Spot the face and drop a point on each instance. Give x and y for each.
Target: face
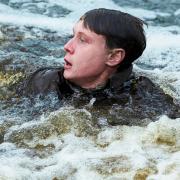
(86, 54)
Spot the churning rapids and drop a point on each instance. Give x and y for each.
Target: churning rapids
(46, 139)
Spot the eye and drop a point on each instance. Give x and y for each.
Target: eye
(82, 39)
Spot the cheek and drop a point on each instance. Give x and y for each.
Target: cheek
(91, 66)
(90, 57)
(94, 55)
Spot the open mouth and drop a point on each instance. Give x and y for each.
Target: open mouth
(67, 64)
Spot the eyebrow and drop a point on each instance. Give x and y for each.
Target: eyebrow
(82, 33)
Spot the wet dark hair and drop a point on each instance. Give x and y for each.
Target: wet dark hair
(120, 29)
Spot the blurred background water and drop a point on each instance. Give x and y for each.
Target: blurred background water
(48, 139)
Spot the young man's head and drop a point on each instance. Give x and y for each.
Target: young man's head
(104, 41)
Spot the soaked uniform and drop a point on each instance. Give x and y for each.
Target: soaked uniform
(123, 98)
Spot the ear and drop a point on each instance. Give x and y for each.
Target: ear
(115, 57)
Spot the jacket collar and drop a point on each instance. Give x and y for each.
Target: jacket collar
(115, 82)
(120, 77)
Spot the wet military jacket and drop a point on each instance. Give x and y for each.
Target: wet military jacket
(124, 96)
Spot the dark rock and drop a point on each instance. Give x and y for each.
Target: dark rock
(33, 8)
(4, 2)
(157, 6)
(40, 7)
(57, 11)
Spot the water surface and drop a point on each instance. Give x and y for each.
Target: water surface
(48, 139)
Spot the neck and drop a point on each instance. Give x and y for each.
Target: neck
(96, 82)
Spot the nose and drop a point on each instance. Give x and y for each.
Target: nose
(68, 47)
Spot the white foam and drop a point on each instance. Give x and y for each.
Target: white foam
(177, 12)
(63, 25)
(162, 55)
(160, 37)
(37, 21)
(80, 157)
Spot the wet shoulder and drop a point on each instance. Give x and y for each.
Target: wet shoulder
(144, 87)
(143, 90)
(43, 80)
(139, 99)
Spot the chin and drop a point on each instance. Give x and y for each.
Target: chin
(67, 75)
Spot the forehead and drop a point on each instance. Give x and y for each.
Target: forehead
(79, 28)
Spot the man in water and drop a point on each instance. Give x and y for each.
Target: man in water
(104, 44)
(98, 64)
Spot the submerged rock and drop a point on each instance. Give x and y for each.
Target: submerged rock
(23, 136)
(142, 174)
(39, 7)
(164, 132)
(4, 126)
(109, 135)
(168, 7)
(78, 121)
(156, 5)
(28, 48)
(59, 123)
(112, 165)
(8, 81)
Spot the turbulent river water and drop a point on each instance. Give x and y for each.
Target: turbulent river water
(46, 139)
